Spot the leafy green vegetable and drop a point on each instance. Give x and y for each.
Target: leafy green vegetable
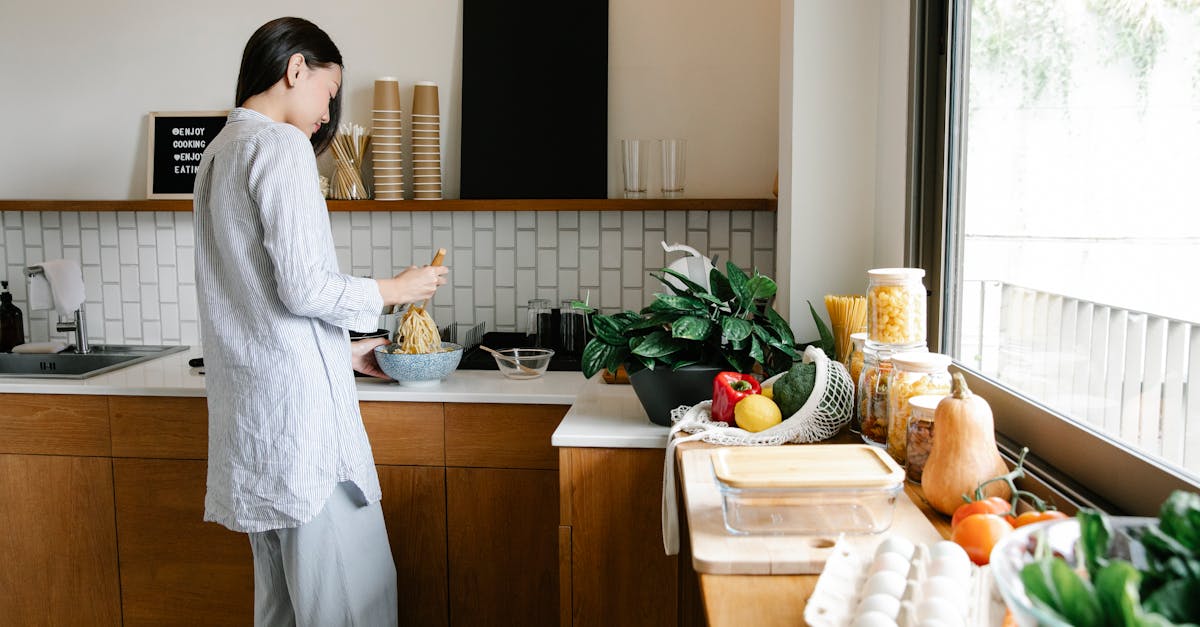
(1179, 518)
(1095, 533)
(792, 390)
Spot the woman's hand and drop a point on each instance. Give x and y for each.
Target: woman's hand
(362, 357)
(413, 284)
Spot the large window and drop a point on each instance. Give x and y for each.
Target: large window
(1069, 248)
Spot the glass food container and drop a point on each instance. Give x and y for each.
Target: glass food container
(896, 307)
(539, 326)
(920, 434)
(913, 374)
(855, 366)
(871, 395)
(807, 490)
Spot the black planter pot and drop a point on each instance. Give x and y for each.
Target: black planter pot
(664, 389)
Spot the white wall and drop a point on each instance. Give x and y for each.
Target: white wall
(83, 75)
(841, 205)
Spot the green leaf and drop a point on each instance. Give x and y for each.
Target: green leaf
(735, 329)
(739, 362)
(1179, 517)
(1039, 586)
(1095, 531)
(756, 350)
(826, 343)
(1117, 592)
(680, 304)
(692, 286)
(737, 282)
(656, 344)
(1178, 600)
(719, 284)
(781, 327)
(655, 321)
(597, 356)
(610, 330)
(691, 328)
(1077, 599)
(760, 287)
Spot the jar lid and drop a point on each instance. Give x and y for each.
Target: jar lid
(924, 405)
(896, 274)
(858, 339)
(885, 351)
(921, 362)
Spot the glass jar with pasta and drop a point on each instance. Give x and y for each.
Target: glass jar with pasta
(871, 397)
(896, 306)
(913, 374)
(920, 434)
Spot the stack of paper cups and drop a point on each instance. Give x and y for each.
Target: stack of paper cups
(426, 142)
(386, 127)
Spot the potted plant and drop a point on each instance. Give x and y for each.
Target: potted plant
(674, 347)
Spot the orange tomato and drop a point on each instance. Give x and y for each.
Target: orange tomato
(990, 505)
(978, 533)
(1030, 517)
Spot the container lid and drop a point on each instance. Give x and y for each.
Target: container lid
(858, 339)
(921, 361)
(924, 405)
(806, 466)
(896, 274)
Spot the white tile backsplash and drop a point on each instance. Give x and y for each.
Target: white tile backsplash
(140, 279)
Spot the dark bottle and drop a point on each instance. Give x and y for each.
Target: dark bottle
(12, 327)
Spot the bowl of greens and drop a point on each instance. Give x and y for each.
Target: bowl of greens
(1100, 570)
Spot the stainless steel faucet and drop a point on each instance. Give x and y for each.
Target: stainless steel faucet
(78, 325)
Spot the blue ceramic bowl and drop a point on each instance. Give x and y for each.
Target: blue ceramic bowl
(421, 369)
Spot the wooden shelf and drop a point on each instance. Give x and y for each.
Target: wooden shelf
(577, 204)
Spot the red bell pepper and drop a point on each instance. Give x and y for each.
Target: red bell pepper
(728, 389)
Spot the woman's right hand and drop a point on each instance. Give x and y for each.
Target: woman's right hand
(413, 284)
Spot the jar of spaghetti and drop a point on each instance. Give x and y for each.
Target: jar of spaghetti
(920, 434)
(896, 306)
(913, 374)
(871, 395)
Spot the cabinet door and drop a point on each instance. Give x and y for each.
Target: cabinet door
(414, 509)
(503, 539)
(57, 541)
(611, 502)
(175, 568)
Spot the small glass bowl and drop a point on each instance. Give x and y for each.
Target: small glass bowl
(523, 363)
(1016, 549)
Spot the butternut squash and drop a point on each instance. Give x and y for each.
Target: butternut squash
(964, 451)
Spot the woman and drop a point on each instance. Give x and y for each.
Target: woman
(289, 462)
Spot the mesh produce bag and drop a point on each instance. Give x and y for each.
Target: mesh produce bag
(827, 410)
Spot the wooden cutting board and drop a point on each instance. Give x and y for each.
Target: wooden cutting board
(717, 551)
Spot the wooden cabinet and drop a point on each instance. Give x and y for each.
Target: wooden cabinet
(57, 541)
(610, 536)
(176, 568)
(502, 513)
(103, 507)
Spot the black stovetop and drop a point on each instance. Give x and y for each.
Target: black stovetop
(476, 358)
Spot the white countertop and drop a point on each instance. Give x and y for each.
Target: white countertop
(171, 376)
(608, 416)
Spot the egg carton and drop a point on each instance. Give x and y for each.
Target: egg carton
(903, 585)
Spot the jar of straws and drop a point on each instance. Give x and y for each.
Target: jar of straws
(349, 146)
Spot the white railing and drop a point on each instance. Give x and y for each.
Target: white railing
(1125, 372)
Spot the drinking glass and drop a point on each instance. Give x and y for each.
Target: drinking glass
(674, 160)
(635, 165)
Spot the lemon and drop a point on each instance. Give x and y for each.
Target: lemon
(768, 392)
(756, 413)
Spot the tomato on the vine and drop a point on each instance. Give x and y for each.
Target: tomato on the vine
(978, 533)
(990, 505)
(1034, 516)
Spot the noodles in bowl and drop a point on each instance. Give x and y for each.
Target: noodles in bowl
(419, 369)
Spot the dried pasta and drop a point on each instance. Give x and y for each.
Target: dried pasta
(847, 315)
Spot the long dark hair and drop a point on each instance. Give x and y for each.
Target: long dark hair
(266, 57)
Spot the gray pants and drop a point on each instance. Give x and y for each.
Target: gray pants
(334, 570)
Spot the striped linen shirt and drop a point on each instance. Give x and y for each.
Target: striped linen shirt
(283, 421)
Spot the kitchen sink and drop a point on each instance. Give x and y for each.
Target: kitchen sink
(67, 365)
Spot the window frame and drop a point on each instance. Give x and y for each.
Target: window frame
(1075, 460)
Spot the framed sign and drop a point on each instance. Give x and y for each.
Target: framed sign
(177, 139)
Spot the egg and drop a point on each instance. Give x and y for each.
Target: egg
(886, 582)
(897, 544)
(941, 610)
(884, 603)
(948, 549)
(950, 566)
(947, 589)
(873, 619)
(889, 561)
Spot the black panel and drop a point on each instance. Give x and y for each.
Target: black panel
(534, 99)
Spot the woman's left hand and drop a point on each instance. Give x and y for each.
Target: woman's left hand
(362, 357)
